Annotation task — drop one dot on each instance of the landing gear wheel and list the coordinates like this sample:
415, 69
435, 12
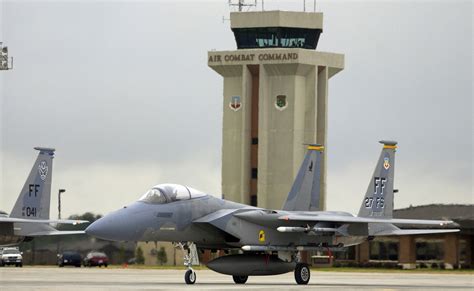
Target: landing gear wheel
302, 274
240, 279
190, 277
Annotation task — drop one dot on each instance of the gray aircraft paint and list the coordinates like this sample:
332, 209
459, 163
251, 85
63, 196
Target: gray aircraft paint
213, 223
34, 199
378, 199
305, 192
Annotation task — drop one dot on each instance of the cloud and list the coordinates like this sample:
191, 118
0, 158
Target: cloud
102, 188
123, 91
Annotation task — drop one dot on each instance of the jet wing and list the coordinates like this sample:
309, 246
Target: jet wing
356, 219
60, 221
56, 232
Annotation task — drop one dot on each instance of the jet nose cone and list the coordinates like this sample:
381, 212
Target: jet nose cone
119, 225
96, 228
105, 228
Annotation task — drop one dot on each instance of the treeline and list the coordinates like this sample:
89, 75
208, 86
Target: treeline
89, 216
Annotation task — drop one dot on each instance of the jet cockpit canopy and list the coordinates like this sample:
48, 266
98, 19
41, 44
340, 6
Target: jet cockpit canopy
167, 193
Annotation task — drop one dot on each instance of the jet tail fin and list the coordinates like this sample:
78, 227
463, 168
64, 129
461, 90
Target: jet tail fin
305, 192
35, 196
378, 200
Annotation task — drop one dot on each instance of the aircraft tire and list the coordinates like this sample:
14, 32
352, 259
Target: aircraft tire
302, 274
240, 279
190, 277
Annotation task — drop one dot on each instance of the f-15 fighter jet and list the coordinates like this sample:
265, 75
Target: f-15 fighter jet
30, 215
268, 241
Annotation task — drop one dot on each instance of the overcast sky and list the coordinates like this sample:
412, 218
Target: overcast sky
123, 92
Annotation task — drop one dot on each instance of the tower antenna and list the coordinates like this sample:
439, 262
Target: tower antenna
241, 4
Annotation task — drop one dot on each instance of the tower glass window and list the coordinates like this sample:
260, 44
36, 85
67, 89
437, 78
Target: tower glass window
282, 37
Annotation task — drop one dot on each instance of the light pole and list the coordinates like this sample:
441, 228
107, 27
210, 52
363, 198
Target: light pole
59, 217
59, 202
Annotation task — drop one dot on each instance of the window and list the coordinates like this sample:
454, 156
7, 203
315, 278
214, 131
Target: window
286, 37
386, 250
254, 173
429, 249
253, 200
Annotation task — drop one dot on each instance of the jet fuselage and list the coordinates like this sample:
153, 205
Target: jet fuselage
210, 222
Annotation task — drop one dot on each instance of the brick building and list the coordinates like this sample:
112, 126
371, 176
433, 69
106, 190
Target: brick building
450, 250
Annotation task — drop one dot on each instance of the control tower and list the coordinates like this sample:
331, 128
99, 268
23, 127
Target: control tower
275, 99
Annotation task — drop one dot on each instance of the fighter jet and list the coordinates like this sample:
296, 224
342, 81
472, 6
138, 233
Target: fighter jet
268, 241
30, 215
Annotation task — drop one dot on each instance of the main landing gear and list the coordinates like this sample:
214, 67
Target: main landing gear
240, 279
302, 273
190, 258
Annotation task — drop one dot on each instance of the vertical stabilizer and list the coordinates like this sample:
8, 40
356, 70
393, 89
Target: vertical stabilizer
35, 196
305, 192
378, 200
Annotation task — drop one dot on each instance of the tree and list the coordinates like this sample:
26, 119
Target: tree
161, 256
89, 216
140, 259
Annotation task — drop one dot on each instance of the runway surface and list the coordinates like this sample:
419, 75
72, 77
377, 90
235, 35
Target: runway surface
50, 278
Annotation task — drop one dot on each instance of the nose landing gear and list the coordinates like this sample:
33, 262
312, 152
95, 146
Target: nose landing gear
190, 276
190, 258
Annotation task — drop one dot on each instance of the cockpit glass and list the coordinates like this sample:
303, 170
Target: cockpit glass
166, 193
154, 196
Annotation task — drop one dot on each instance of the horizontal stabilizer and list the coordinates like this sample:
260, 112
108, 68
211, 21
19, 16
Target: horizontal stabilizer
58, 221
56, 232
355, 219
260, 248
414, 231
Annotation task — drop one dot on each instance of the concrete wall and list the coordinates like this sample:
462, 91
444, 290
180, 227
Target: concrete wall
299, 74
2, 114
281, 133
276, 19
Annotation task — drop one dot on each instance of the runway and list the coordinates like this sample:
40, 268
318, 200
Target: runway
52, 278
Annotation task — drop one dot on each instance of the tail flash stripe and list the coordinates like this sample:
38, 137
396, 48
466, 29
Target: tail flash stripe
316, 148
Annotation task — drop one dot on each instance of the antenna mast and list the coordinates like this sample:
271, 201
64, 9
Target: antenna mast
241, 4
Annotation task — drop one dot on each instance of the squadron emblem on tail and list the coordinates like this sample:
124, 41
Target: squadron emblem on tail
386, 163
43, 170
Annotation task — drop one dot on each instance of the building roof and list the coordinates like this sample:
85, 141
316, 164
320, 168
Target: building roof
437, 211
461, 214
